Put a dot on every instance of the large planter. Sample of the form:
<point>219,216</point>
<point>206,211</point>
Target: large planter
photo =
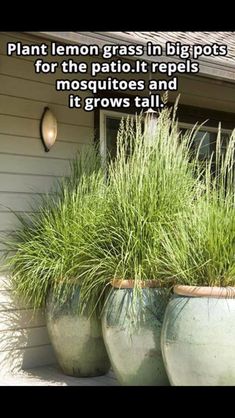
<point>77,339</point>
<point>132,334</point>
<point>198,336</point>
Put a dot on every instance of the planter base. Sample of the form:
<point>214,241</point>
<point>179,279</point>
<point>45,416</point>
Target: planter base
<point>134,348</point>
<point>77,340</point>
<point>198,341</point>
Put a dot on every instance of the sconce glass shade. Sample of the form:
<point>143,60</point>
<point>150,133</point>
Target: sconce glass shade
<point>150,121</point>
<point>48,129</point>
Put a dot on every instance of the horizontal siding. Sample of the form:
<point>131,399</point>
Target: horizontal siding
<point>15,360</point>
<point>9,220</point>
<point>18,145</point>
<point>21,318</point>
<point>18,201</point>
<point>15,125</point>
<point>8,301</point>
<point>21,202</point>
<point>34,165</point>
<point>26,183</point>
<point>220,103</point>
<point>23,338</point>
<point>33,90</point>
<point>18,36</point>
<point>6,298</point>
<point>10,65</point>
<point>32,109</point>
<point>213,93</point>
<point>41,355</point>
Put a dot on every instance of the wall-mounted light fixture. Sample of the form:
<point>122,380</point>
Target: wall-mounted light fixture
<point>150,122</point>
<point>48,128</point>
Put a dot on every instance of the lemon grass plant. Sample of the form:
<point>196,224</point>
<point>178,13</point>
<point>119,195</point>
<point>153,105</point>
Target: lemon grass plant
<point>199,249</point>
<point>44,253</point>
<point>151,182</point>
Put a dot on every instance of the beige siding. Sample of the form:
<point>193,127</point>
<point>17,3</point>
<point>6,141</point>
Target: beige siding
<point>12,361</point>
<point>20,318</point>
<point>17,201</point>
<point>203,92</point>
<point>25,183</point>
<point>26,171</point>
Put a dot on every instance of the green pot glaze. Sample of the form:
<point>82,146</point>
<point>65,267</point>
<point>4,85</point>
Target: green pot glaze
<point>133,345</point>
<point>198,341</point>
<point>77,339</point>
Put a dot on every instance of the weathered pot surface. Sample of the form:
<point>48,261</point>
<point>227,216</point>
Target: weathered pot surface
<point>132,335</point>
<point>198,336</point>
<point>77,339</point>
<point>130,284</point>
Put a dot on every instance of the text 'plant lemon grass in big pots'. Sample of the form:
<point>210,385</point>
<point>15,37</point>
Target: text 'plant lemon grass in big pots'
<point>198,335</point>
<point>44,268</point>
<point>150,182</point>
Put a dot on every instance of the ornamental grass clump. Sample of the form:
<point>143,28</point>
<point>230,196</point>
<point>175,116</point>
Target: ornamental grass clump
<point>199,249</point>
<point>151,182</point>
<point>48,244</point>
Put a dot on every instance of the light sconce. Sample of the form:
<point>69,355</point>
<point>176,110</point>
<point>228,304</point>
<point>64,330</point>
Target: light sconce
<point>150,121</point>
<point>48,129</point>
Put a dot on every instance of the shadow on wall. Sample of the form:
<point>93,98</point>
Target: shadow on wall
<point>24,342</point>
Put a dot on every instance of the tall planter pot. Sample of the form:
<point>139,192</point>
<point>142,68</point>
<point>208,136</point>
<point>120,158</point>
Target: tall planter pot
<point>77,339</point>
<point>132,334</point>
<point>198,336</point>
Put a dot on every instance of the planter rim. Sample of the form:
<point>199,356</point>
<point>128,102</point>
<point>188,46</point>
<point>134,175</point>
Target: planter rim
<point>130,284</point>
<point>205,291</point>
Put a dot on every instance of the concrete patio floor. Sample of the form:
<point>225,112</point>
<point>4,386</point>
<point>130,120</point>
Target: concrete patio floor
<point>52,376</point>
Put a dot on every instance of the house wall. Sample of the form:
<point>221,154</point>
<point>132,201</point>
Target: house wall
<point>206,93</point>
<point>26,171</point>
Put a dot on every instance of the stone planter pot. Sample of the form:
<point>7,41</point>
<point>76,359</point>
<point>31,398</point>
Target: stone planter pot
<point>77,339</point>
<point>198,336</point>
<point>133,345</point>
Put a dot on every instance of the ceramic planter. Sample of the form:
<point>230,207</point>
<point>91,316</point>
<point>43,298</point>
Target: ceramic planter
<point>198,336</point>
<point>77,339</point>
<point>132,338</point>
